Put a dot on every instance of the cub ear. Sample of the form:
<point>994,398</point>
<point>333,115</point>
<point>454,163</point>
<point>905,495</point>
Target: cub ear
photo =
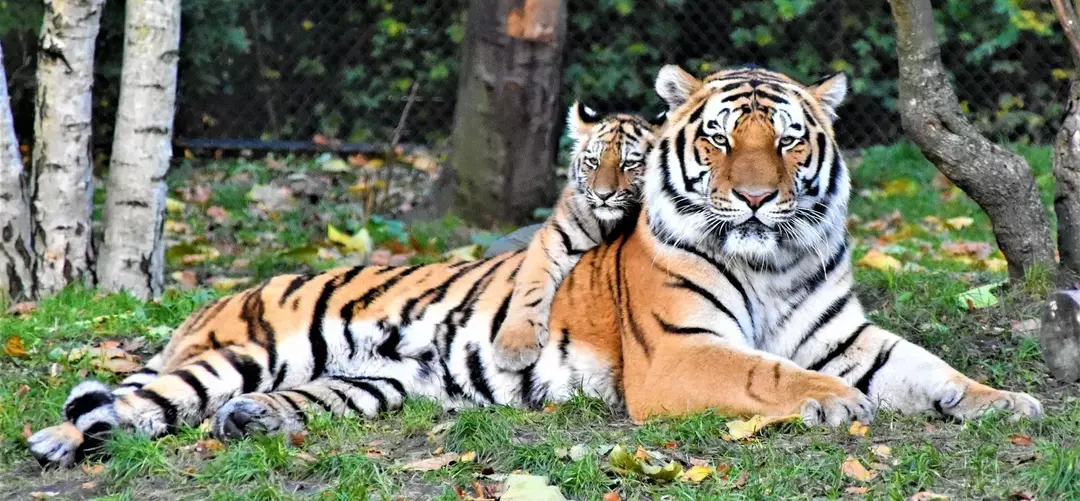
<point>830,93</point>
<point>675,85</point>
<point>580,121</point>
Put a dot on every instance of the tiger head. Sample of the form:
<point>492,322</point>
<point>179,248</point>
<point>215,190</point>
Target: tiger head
<point>608,159</point>
<point>747,166</point>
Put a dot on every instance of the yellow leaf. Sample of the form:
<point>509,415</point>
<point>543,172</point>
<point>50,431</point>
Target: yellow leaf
<point>14,347</point>
<point>995,264</point>
<point>878,260</point>
<point>742,429</point>
<point>697,474</point>
<point>901,186</point>
<point>359,243</point>
<point>433,463</point>
<point>174,206</point>
<point>853,468</point>
<point>468,457</point>
<point>466,253</point>
<point>858,429</point>
<point>923,495</point>
<point>959,223</point>
<point>882,451</point>
<point>623,461</point>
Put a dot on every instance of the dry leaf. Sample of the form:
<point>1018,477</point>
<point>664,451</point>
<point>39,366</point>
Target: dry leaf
<point>858,429</point>
<point>14,347</point>
<point>697,474</point>
<point>900,186</point>
<point>22,390</point>
<point>549,408</point>
<point>853,468</point>
<point>856,490</point>
<point>1020,440</point>
<point>742,429</point>
<point>612,496</point>
<point>432,463</point>
<point>117,365</point>
<point>959,223</point>
<point>307,458</point>
<point>92,470</point>
<point>218,214</point>
<point>880,261</point>
<point>297,439</point>
<point>468,457</point>
<point>22,308</point>
<point>741,480</point>
<point>995,264</point>
<point>208,448</point>
<point>1026,328</point>
<point>44,494</point>
<point>881,451</point>
<point>529,488</point>
<point>921,495</point>
<point>89,485</point>
<point>977,250</point>
<point>1022,496</point>
<point>27,431</point>
<point>622,461</point>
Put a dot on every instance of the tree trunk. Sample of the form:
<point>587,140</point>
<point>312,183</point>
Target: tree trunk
<point>1000,181</point>
<point>1067,151</point>
<point>508,117</point>
<point>132,256</point>
<point>62,191</point>
<point>16,252</point>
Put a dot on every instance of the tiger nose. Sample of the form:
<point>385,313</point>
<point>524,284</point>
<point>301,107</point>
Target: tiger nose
<point>604,194</point>
<point>755,198</point>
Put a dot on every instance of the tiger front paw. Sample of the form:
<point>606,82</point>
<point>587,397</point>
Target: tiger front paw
<point>56,445</point>
<point>249,414</point>
<point>837,409</point>
<point>518,344</point>
<point>974,400</point>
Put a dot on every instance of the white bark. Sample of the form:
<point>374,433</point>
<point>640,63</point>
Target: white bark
<point>62,192</point>
<point>16,256</point>
<point>132,256</point>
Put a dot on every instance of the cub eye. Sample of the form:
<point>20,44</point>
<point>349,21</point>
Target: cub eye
<point>590,162</point>
<point>788,141</point>
<point>719,140</point>
<point>632,164</point>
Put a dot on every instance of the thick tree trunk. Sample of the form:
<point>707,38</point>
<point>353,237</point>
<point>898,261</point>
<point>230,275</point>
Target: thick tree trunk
<point>62,192</point>
<point>1000,181</point>
<point>132,255</point>
<point>16,252</point>
<point>1067,151</point>
<point>507,118</point>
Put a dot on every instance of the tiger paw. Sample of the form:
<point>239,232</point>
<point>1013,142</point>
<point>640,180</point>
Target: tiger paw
<point>975,400</point>
<point>56,445</point>
<point>838,409</point>
<point>248,414</point>
<point>518,344</point>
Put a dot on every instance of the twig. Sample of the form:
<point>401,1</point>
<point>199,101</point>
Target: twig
<point>1070,25</point>
<point>404,115</point>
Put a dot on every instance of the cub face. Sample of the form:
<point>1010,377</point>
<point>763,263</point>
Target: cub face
<point>608,159</point>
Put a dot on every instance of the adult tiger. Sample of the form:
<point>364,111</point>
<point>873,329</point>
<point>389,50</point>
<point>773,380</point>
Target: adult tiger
<point>733,292</point>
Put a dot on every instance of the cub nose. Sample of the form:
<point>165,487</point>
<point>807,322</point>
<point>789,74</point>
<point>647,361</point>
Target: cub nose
<point>755,198</point>
<point>604,194</point>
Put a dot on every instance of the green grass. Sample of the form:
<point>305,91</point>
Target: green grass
<point>356,459</point>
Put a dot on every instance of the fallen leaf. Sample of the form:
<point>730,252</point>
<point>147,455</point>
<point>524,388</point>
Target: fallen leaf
<point>697,474</point>
<point>977,250</point>
<point>1023,440</point>
<point>670,444</point>
<point>900,186</point>
<point>858,429</point>
<point>226,284</point>
<point>995,264</point>
<point>742,429</point>
<point>307,458</point>
<point>856,490</point>
<point>297,439</point>
<point>432,463</point>
<point>549,408</point>
<point>27,431</point>
<point>208,448</point>
<point>271,198</point>
<point>186,278</point>
<point>578,452</point>
<point>117,365</point>
<point>922,495</point>
<point>1025,328</point>
<point>742,478</point>
<point>14,347</point>
<point>359,243</point>
<point>853,468</point>
<point>44,494</point>
<point>89,485</point>
<point>1022,496</point>
<point>880,466</point>
<point>466,253</point>
<point>22,308</point>
<point>959,223</point>
<point>176,227</point>
<point>218,214</point>
<point>979,297</point>
<point>612,496</point>
<point>529,488</point>
<point>622,461</point>
<point>882,451</point>
<point>880,261</point>
<point>22,390</point>
<point>93,469</point>
<point>174,206</point>
<point>468,457</point>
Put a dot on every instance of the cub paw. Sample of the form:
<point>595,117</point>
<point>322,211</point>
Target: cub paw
<point>56,445</point>
<point>518,344</point>
<point>979,400</point>
<point>247,414</point>
<point>838,410</point>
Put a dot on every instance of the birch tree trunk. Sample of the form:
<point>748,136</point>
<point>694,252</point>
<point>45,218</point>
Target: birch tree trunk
<point>62,192</point>
<point>1000,181</point>
<point>16,252</point>
<point>132,255</point>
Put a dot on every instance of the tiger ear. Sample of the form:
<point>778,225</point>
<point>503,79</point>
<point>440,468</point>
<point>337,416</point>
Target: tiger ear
<point>675,85</point>
<point>580,121</point>
<point>830,93</point>
<point>658,120</point>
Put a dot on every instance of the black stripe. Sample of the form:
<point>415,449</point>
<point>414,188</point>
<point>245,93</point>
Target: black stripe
<point>168,409</point>
<point>315,335</point>
<point>206,365</point>
<point>214,343</point>
<point>389,347</point>
<point>680,147</point>
<point>500,316</point>
<point>460,314</point>
<point>282,373</point>
<point>94,438</point>
<point>371,389</point>
<point>292,403</point>
<point>679,329</point>
<point>200,389</point>
<point>249,370</point>
<point>812,282</point>
<point>213,311</point>
<point>863,384</point>
<point>85,403</point>
<point>826,316</point>
<point>294,284</point>
<point>697,113</point>
<point>347,401</point>
<point>258,329</point>
<point>564,345</point>
<point>568,247</point>
<point>346,315</point>
<point>834,175</point>
<point>839,349</point>
<point>388,380</point>
<point>312,398</point>
<point>438,292</point>
<point>376,292</point>
<point>776,98</point>
<point>682,282</point>
<point>528,390</point>
<point>476,373</point>
<point>730,277</point>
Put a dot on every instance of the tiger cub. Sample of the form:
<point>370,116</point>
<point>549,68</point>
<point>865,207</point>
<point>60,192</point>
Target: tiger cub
<point>600,202</point>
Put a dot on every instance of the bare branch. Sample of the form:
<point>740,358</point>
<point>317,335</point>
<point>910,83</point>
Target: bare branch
<point>1070,24</point>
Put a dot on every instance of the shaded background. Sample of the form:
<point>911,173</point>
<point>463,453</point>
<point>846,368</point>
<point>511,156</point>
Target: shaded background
<point>268,72</point>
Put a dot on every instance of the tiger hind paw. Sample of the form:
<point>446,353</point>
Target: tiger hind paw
<point>57,445</point>
<point>518,345</point>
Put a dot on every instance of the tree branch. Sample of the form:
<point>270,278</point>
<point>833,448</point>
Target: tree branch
<point>1070,24</point>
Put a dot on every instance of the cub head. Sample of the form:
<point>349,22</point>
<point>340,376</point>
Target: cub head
<point>608,159</point>
<point>747,166</point>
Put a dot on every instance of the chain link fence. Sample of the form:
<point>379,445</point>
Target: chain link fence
<point>375,72</point>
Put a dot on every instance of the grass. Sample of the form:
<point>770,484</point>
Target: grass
<point>991,458</point>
